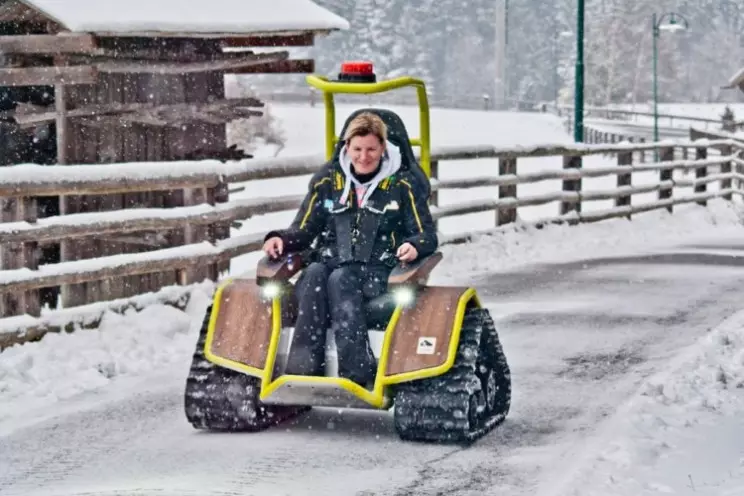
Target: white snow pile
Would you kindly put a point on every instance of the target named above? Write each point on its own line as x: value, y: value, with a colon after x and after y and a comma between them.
x: 522, y: 245
x: 132, y: 344
x: 681, y: 433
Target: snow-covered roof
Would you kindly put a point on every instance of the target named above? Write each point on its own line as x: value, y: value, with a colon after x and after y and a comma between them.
x: 189, y: 16
x: 735, y: 80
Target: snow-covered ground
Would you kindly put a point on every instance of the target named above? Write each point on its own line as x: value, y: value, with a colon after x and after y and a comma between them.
x: 680, y: 433
x: 673, y: 426
x: 702, y: 110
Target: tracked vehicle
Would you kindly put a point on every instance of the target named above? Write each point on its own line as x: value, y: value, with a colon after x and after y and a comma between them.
x: 440, y: 365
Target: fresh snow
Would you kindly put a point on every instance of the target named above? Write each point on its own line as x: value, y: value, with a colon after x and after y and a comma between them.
x: 680, y: 434
x: 86, y: 314
x: 218, y: 16
x: 35, y: 376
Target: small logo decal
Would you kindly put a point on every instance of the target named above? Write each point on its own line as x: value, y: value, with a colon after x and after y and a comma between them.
x: 393, y: 205
x: 426, y: 346
x: 328, y: 204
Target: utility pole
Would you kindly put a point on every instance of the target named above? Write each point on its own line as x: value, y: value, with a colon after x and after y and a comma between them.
x: 655, y: 36
x: 579, y: 89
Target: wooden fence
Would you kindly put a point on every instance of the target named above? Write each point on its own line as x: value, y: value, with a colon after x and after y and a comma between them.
x: 713, y: 161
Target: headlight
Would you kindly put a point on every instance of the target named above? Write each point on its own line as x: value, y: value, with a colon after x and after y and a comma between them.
x: 404, y: 296
x: 271, y: 290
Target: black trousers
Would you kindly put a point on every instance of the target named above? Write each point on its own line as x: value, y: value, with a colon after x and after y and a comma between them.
x: 335, y: 298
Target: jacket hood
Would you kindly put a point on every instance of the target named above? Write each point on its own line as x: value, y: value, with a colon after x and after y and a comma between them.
x: 391, y: 162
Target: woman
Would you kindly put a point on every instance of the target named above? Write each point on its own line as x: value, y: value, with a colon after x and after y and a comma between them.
x: 369, y: 215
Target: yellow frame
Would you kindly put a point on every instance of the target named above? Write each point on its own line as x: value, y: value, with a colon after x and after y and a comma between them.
x: 376, y: 397
x: 330, y: 87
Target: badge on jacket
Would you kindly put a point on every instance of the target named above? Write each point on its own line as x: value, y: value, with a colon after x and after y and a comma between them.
x: 328, y: 204
x: 393, y: 205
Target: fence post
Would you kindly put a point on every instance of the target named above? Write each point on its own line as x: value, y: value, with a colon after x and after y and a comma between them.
x: 571, y: 185
x: 19, y: 256
x: 507, y: 166
x: 701, y: 153
x: 193, y: 234
x: 726, y: 169
x: 219, y: 230
x: 666, y: 154
x: 624, y: 159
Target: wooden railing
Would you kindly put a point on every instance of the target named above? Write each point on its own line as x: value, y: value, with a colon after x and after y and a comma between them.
x: 21, y: 277
x: 627, y: 115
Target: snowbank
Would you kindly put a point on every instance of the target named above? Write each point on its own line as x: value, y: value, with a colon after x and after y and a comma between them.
x: 60, y: 366
x: 681, y: 434
x: 650, y: 231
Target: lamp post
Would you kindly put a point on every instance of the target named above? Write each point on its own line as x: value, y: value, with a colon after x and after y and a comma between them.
x: 579, y: 78
x: 676, y: 23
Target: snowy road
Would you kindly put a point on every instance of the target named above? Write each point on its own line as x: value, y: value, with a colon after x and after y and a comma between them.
x: 580, y: 337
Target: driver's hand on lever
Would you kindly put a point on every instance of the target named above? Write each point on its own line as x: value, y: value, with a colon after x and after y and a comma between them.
x: 407, y: 252
x: 273, y: 247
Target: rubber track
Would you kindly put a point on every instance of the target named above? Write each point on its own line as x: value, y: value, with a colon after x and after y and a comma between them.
x: 221, y: 399
x: 436, y: 409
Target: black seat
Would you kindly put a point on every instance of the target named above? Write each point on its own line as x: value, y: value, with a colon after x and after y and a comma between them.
x: 398, y: 136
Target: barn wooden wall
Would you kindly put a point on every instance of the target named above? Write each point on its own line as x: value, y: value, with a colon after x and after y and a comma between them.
x: 111, y: 139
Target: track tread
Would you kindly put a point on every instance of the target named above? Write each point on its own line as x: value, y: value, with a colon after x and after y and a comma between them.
x: 220, y: 399
x: 437, y: 409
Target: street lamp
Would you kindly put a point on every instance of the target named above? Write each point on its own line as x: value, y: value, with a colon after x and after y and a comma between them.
x: 579, y: 77
x: 677, y: 22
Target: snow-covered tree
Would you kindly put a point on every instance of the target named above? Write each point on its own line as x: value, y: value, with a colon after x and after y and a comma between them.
x: 451, y: 45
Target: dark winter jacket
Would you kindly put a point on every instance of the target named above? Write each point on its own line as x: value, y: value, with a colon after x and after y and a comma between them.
x: 392, y: 212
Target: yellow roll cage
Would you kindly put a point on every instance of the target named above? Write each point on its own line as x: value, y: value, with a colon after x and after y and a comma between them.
x: 329, y: 88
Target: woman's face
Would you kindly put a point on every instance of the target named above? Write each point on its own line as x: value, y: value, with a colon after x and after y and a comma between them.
x: 365, y: 153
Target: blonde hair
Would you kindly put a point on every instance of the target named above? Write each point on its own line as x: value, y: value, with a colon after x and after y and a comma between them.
x: 365, y: 124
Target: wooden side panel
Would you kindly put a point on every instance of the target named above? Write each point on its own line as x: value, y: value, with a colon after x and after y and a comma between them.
x: 432, y: 320
x: 417, y: 272
x: 243, y: 327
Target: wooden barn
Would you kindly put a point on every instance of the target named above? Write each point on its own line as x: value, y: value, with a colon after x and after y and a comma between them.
x: 105, y: 81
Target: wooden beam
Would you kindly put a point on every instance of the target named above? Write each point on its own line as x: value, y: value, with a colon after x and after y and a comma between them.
x: 61, y: 122
x: 36, y: 115
x: 45, y: 43
x: 106, y: 186
x: 218, y: 65
x: 295, y: 66
x: 176, y: 117
x: 300, y: 39
x: 144, y: 55
x: 48, y: 76
x: 177, y: 258
x: 157, y: 58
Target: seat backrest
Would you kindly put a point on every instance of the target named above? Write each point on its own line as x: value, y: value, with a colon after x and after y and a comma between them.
x: 398, y: 136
